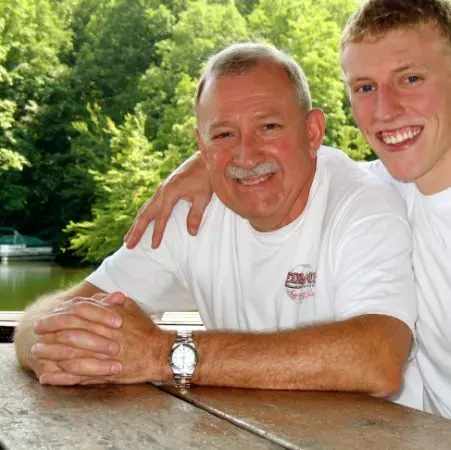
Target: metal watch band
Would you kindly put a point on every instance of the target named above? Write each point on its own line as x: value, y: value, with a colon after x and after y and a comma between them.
x: 183, y: 381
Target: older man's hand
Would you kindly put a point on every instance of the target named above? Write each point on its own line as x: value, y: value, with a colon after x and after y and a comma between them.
x: 143, y: 348
x: 73, y: 351
x: 78, y: 331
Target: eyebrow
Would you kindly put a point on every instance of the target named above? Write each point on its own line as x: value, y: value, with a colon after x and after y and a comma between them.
x: 259, y: 116
x: 404, y: 68
x: 409, y: 67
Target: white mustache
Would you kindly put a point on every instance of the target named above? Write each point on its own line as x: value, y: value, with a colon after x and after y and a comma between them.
x: 264, y: 168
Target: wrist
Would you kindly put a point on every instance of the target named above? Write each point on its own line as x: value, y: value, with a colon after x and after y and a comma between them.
x: 165, y: 371
x: 183, y: 359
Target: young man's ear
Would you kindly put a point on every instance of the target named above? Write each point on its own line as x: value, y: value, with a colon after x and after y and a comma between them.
x: 316, y: 128
x: 201, y: 145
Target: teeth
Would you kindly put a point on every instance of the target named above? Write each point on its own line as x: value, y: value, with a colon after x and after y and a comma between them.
x: 400, y: 136
x: 255, y: 181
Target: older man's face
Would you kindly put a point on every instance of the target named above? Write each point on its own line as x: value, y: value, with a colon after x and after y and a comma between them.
x: 400, y: 90
x: 259, y: 147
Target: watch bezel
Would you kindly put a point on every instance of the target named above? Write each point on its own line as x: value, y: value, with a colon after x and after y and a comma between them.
x: 183, y: 370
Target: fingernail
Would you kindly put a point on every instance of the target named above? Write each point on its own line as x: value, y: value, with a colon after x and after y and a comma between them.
x: 116, y: 367
x: 113, y: 348
x: 116, y: 321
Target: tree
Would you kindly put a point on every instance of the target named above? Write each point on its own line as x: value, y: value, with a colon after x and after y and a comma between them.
x: 119, y: 45
x: 33, y: 35
x: 120, y: 190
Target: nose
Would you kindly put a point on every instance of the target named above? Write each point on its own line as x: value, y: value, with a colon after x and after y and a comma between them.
x: 388, y: 104
x: 248, y: 150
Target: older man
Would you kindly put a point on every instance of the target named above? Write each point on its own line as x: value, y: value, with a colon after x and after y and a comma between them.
x: 293, y: 270
x: 396, y: 56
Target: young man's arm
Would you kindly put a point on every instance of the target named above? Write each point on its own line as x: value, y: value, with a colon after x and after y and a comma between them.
x: 189, y: 182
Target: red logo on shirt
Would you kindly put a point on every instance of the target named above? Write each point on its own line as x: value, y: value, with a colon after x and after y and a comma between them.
x: 301, y: 282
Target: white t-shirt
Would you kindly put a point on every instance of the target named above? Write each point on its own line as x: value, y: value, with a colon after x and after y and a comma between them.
x: 430, y: 218
x: 348, y: 254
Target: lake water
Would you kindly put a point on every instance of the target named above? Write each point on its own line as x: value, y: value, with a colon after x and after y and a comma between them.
x: 22, y: 282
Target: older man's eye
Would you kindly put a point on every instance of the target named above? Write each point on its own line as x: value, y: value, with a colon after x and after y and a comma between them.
x: 222, y: 135
x: 365, y: 88
x: 271, y: 126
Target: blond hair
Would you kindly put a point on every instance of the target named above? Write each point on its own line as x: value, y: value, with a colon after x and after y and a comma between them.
x: 376, y: 17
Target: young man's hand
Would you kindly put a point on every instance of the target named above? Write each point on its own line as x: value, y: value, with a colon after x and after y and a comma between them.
x: 189, y: 182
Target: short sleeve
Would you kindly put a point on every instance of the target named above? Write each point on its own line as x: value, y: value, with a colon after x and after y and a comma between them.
x: 372, y: 259
x: 154, y: 278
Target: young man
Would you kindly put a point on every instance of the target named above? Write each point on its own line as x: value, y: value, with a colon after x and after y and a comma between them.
x: 396, y: 58
x: 293, y: 274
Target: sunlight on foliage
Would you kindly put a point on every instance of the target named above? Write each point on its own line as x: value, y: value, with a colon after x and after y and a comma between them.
x: 96, y: 100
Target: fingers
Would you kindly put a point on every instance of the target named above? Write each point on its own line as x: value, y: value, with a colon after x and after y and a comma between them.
x: 145, y: 215
x: 91, y: 367
x: 85, y: 313
x: 62, y: 322
x: 59, y: 352
x: 81, y: 371
x: 81, y: 339
x: 115, y: 298
x: 161, y: 221
x: 59, y: 379
x: 41, y: 366
x: 196, y: 213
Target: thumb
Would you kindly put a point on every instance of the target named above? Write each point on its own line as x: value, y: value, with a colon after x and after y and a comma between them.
x: 115, y: 298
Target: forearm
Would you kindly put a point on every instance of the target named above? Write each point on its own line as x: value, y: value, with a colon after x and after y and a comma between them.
x: 365, y: 353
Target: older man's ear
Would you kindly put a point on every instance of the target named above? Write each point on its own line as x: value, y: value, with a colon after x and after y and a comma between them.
x: 316, y: 128
x: 201, y: 146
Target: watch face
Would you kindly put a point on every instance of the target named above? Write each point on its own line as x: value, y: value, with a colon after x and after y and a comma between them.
x: 184, y: 357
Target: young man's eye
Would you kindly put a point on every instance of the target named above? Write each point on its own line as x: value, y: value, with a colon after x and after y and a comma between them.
x: 413, y: 79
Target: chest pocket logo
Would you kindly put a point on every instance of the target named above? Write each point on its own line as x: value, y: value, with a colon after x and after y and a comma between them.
x: 300, y: 283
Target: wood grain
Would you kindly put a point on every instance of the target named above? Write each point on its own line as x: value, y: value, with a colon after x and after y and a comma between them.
x: 106, y: 417
x: 325, y: 421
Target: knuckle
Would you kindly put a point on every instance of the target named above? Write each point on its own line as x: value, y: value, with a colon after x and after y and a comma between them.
x: 69, y: 352
x: 60, y: 320
x: 65, y: 336
x: 73, y: 366
x: 81, y: 308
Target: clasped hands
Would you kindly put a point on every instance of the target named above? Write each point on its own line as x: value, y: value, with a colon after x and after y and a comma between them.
x: 106, y: 338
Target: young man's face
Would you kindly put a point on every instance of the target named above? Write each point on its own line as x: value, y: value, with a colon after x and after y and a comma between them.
x: 400, y: 91
x: 259, y: 147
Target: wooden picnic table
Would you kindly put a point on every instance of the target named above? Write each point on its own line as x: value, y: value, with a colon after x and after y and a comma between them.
x: 160, y: 417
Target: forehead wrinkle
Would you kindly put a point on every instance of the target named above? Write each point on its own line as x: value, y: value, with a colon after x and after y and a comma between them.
x: 260, y: 113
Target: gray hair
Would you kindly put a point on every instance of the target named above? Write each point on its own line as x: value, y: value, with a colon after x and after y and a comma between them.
x: 238, y: 59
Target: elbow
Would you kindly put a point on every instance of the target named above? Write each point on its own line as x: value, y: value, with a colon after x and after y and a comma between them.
x: 387, y: 376
x: 387, y: 385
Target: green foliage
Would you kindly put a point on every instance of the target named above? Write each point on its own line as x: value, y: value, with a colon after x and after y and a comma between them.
x: 120, y: 190
x: 120, y: 42
x: 96, y: 100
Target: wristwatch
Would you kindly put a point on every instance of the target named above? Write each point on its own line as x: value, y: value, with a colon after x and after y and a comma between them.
x: 183, y: 359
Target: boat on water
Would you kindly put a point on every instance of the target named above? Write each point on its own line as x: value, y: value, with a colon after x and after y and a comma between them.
x: 14, y: 245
